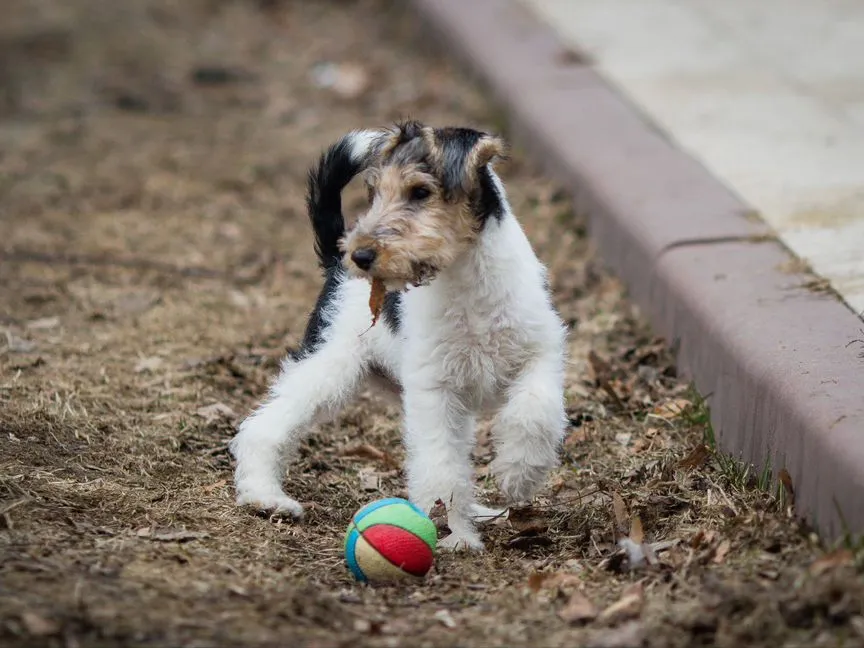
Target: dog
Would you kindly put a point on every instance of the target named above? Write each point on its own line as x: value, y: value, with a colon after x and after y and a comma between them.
x: 468, y: 327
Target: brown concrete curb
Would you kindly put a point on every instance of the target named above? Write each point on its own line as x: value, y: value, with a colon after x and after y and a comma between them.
x: 774, y: 358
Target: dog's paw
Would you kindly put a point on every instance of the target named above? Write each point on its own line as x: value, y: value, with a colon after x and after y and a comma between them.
x: 519, y: 481
x: 461, y: 542
x: 271, y: 504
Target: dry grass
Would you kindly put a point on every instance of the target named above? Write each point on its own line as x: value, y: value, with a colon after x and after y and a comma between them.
x: 156, y: 263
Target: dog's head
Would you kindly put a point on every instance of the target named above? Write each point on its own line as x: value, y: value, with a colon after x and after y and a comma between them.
x: 430, y: 194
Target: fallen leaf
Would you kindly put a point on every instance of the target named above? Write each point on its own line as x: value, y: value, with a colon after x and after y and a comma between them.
x: 857, y: 624
x: 577, y: 436
x: 170, y: 535
x: 438, y: 515
x: 701, y: 537
x: 178, y: 536
x: 536, y: 579
x: 695, y: 458
x: 214, y: 486
x: 831, y: 560
x: 627, y: 607
x: 439, y: 509
x: 639, y: 445
x: 445, y: 618
x: 238, y: 591
x: 28, y: 363
x: 239, y: 299
x: 627, y: 635
x: 578, y: 609
x: 557, y: 485
x: 527, y: 518
x: 149, y: 364
x: 571, y: 56
x: 619, y: 510
x: 722, y: 551
x: 398, y: 628
x: 528, y: 540
x: 672, y: 409
x: 637, y: 534
x: 728, y: 511
x: 19, y: 345
x: 363, y: 626
x: 39, y: 626
x: 135, y: 303
x: 624, y: 438
x: 217, y: 75
x: 665, y: 545
x: 215, y: 412
x: 551, y: 580
x: 602, y: 369
x: 786, y: 479
x: 43, y: 323
x: 603, y: 375
x: 368, y: 451
x: 347, y: 596
x: 369, y: 480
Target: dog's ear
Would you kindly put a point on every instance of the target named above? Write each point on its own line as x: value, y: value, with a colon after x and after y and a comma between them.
x: 488, y: 149
x: 401, y: 133
x: 463, y: 154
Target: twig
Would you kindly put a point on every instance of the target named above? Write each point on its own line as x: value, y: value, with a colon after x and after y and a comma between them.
x: 14, y: 504
x: 63, y: 258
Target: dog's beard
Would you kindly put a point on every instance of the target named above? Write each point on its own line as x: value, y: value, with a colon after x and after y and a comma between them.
x: 424, y: 273
x: 419, y: 273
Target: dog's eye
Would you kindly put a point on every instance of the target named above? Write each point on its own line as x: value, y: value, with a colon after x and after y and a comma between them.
x: 420, y: 193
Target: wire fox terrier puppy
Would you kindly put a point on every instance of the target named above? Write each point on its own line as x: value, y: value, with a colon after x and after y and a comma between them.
x: 468, y: 327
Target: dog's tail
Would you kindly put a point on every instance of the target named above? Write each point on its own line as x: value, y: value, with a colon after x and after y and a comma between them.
x: 336, y: 167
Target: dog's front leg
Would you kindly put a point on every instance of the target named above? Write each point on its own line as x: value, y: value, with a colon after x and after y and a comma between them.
x: 439, y: 436
x: 528, y: 429
x: 316, y: 386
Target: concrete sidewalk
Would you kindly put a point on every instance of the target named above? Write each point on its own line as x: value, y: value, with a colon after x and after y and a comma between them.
x: 776, y: 358
x: 768, y: 95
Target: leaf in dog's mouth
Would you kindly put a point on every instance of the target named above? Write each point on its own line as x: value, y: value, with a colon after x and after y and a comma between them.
x: 376, y: 299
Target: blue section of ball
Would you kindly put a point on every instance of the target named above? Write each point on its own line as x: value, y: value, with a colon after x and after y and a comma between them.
x: 373, y: 506
x: 349, y: 555
x: 416, y: 508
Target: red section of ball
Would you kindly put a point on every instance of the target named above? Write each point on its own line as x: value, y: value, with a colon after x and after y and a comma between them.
x: 400, y: 547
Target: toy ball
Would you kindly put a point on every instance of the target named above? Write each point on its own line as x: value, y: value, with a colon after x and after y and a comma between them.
x: 390, y: 540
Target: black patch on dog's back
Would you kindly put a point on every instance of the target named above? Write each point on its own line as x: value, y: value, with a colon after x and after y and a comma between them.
x: 317, y: 324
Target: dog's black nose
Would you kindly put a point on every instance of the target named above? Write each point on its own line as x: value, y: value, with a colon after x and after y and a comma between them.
x: 364, y: 258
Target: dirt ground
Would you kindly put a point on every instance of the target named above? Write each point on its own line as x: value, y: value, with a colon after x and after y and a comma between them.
x: 156, y: 263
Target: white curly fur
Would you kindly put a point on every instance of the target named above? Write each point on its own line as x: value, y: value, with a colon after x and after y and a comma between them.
x: 482, y: 338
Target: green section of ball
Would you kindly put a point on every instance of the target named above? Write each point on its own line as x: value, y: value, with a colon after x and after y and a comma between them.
x: 404, y: 516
